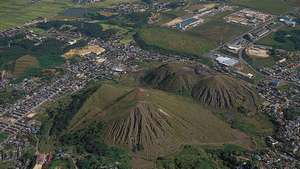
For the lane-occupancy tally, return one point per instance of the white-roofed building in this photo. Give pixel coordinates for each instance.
(226, 61)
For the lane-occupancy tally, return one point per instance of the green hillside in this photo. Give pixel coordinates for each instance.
(162, 119)
(174, 77)
(147, 123)
(233, 100)
(204, 85)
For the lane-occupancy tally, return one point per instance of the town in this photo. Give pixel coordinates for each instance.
(108, 59)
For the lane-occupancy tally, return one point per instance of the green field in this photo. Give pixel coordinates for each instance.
(7, 164)
(3, 136)
(217, 31)
(197, 41)
(63, 164)
(17, 12)
(173, 40)
(272, 6)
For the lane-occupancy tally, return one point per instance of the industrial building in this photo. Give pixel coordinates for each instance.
(188, 23)
(233, 48)
(248, 17)
(226, 61)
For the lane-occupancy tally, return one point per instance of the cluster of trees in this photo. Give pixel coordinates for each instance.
(93, 30)
(189, 158)
(97, 154)
(47, 53)
(232, 156)
(291, 38)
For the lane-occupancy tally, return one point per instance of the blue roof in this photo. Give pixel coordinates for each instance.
(185, 23)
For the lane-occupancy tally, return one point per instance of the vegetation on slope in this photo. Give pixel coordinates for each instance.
(189, 157)
(25, 63)
(225, 92)
(148, 123)
(173, 77)
(231, 99)
(210, 88)
(86, 143)
(163, 120)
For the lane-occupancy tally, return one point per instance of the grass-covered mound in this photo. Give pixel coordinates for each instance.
(103, 121)
(151, 122)
(174, 77)
(25, 63)
(204, 85)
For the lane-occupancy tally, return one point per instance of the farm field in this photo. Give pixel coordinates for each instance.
(173, 40)
(218, 31)
(196, 41)
(17, 12)
(276, 7)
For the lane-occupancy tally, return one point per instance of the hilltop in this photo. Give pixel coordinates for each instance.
(204, 85)
(225, 92)
(175, 77)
